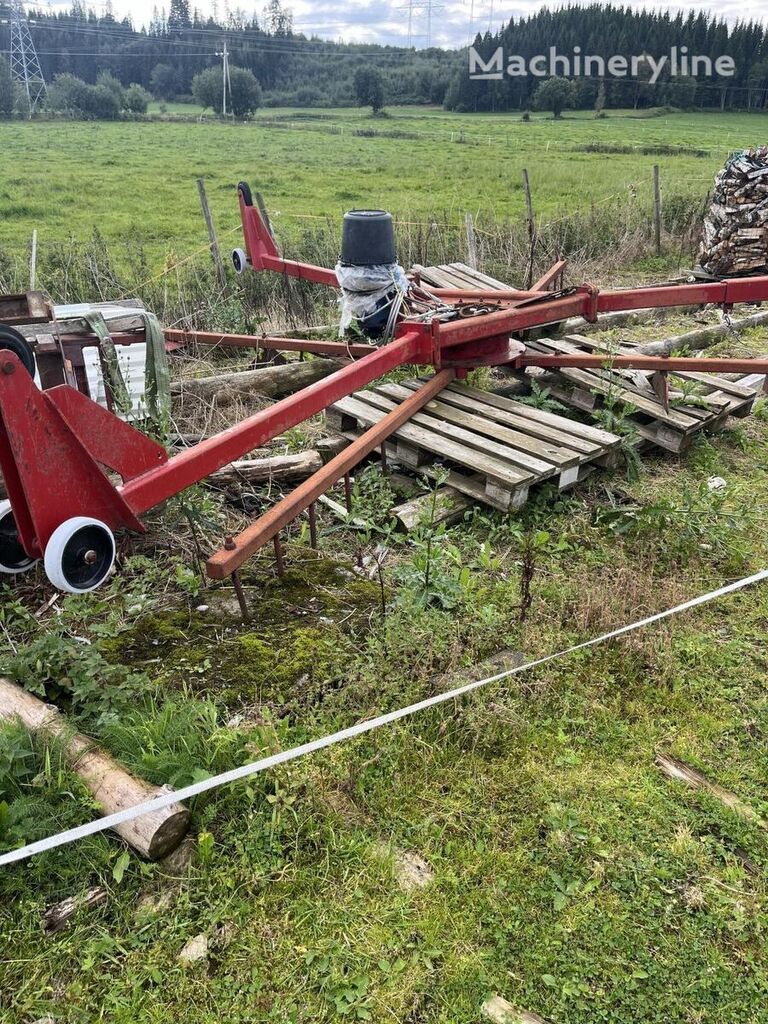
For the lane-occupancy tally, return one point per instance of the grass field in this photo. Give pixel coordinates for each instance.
(138, 180)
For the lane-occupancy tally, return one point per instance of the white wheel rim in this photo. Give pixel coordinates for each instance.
(56, 548)
(8, 570)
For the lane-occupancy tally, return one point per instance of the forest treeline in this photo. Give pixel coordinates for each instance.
(296, 70)
(604, 30)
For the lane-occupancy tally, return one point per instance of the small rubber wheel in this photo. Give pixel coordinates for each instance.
(12, 341)
(239, 260)
(13, 557)
(79, 555)
(245, 191)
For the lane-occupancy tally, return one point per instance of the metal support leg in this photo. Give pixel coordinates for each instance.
(279, 557)
(348, 492)
(312, 513)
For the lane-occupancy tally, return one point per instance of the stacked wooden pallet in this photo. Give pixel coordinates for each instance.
(457, 275)
(493, 449)
(697, 401)
(735, 239)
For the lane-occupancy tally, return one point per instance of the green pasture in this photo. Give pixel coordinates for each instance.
(137, 180)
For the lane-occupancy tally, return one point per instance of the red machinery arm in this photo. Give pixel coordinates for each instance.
(261, 249)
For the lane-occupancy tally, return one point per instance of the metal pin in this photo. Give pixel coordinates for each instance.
(384, 467)
(237, 584)
(312, 525)
(348, 492)
(279, 557)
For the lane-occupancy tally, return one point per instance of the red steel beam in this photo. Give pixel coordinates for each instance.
(194, 464)
(303, 271)
(577, 360)
(518, 319)
(730, 292)
(549, 276)
(319, 347)
(225, 561)
(483, 294)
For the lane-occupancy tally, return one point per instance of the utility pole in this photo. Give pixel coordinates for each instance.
(25, 67)
(225, 80)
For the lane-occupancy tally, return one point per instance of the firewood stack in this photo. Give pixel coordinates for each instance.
(735, 237)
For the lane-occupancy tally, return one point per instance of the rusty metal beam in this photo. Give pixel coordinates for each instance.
(267, 527)
(279, 344)
(549, 276)
(577, 360)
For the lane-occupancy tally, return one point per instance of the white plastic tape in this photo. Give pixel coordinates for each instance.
(245, 771)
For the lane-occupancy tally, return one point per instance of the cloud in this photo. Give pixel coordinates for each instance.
(452, 22)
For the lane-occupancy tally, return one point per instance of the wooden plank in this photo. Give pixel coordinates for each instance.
(558, 456)
(454, 280)
(502, 472)
(720, 390)
(718, 383)
(483, 280)
(473, 486)
(537, 466)
(606, 383)
(433, 276)
(562, 438)
(586, 431)
(459, 278)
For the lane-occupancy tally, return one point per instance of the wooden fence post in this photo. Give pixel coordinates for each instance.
(215, 251)
(471, 243)
(531, 228)
(657, 209)
(33, 263)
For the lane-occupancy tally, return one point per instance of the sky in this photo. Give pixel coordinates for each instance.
(453, 22)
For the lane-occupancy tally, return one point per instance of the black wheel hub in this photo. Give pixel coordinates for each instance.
(12, 341)
(12, 554)
(87, 557)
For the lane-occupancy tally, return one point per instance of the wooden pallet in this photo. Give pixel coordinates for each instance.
(716, 397)
(457, 275)
(493, 448)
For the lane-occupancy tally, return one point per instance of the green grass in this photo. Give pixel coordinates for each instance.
(569, 875)
(137, 180)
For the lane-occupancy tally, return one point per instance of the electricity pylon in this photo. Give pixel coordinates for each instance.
(25, 67)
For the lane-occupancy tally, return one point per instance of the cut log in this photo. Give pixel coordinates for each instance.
(275, 467)
(676, 769)
(153, 835)
(500, 1011)
(703, 337)
(60, 915)
(735, 239)
(450, 506)
(268, 382)
(329, 447)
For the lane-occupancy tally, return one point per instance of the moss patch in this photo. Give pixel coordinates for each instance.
(302, 630)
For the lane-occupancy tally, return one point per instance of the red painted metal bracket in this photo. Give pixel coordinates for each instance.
(49, 472)
(262, 252)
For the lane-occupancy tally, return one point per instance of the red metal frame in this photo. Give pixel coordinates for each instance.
(55, 445)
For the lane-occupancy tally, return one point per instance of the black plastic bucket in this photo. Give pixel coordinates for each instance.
(367, 238)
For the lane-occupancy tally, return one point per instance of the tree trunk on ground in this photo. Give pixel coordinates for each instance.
(276, 467)
(268, 382)
(702, 338)
(153, 835)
